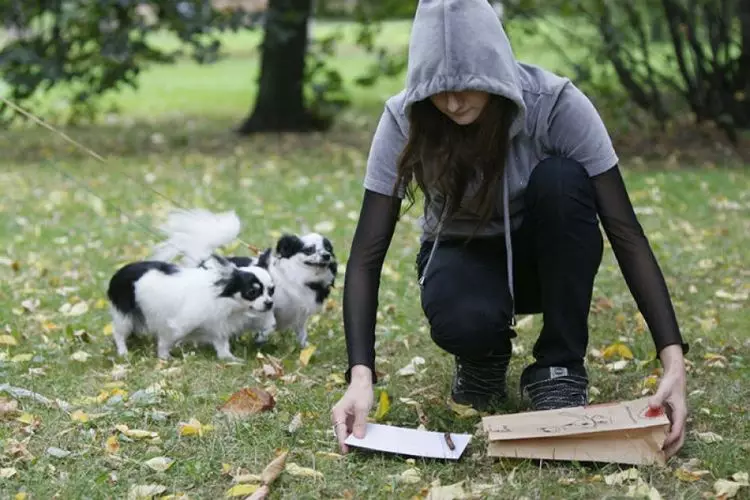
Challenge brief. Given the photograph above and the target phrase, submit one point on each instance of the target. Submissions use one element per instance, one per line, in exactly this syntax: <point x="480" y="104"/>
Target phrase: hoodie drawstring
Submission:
<point x="508" y="249"/>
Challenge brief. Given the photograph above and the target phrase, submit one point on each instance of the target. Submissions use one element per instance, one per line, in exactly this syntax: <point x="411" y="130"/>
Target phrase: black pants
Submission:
<point x="556" y="255"/>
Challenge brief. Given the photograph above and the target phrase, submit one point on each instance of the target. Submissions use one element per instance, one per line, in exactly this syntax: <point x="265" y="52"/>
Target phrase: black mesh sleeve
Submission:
<point x="372" y="237"/>
<point x="636" y="259"/>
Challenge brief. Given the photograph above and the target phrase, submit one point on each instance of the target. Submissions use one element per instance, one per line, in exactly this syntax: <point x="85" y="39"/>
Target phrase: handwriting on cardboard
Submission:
<point x="411" y="442"/>
<point x="574" y="421"/>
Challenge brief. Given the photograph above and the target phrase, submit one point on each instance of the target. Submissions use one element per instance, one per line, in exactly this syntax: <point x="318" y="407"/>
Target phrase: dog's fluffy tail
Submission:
<point x="196" y="234"/>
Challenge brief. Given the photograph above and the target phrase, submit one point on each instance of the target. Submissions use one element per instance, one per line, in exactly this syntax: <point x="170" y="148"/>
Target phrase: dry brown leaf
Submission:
<point x="8" y="408"/>
<point x="247" y="402"/>
<point x="274" y="468"/>
<point x="259" y="494"/>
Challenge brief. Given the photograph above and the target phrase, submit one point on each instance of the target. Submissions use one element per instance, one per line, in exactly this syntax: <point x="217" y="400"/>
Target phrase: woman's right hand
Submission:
<point x="349" y="415"/>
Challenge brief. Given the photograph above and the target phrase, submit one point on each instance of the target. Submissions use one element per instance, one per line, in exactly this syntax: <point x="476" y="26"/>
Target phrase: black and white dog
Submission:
<point x="304" y="270"/>
<point x="206" y="304"/>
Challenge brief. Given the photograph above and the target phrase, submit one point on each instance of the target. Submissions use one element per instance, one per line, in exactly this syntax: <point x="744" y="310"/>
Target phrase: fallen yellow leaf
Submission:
<point x="159" y="464"/>
<point x="21" y="358"/>
<point x="108" y="329"/>
<point x="26" y="418"/>
<point x="80" y="356"/>
<point x="8" y="472"/>
<point x="112" y="445"/>
<point x="725" y="488"/>
<point x="384" y="405"/>
<point x="193" y="428"/>
<point x="690" y="476"/>
<point x="617" y="349"/>
<point x="136" y="433"/>
<point x="651" y="382"/>
<point x="145" y="491"/>
<point x="8" y="340"/>
<point x="241" y="490"/>
<point x="463" y="411"/>
<point x="79" y="416"/>
<point x="307" y="352"/>
<point x="295" y="470"/>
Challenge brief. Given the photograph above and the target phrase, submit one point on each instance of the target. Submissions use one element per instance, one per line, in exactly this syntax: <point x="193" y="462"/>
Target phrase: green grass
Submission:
<point x="60" y="245"/>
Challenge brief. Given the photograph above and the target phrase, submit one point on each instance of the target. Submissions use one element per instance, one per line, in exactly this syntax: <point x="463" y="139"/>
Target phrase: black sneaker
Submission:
<point x="480" y="383"/>
<point x="553" y="387"/>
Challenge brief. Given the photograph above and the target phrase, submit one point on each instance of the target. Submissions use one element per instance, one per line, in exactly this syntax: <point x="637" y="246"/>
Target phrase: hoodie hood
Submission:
<point x="461" y="45"/>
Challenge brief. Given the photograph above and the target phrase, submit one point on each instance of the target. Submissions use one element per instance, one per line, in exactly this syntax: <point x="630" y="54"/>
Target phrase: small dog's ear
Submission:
<point x="230" y="283"/>
<point x="288" y="245"/>
<point x="328" y="246"/>
<point x="264" y="260"/>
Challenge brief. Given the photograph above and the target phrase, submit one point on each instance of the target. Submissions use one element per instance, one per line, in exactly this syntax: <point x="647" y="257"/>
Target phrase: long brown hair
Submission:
<point x="442" y="157"/>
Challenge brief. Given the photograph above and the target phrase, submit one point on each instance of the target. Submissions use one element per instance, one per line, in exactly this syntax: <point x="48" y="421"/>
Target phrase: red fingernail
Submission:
<point x="654" y="412"/>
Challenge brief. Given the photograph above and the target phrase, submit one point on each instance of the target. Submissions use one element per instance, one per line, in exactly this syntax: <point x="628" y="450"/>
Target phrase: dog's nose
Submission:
<point x="325" y="256"/>
<point x="268" y="304"/>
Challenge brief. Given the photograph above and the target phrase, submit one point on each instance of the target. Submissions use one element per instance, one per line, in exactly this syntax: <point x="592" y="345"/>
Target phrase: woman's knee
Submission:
<point x="465" y="330"/>
<point x="560" y="178"/>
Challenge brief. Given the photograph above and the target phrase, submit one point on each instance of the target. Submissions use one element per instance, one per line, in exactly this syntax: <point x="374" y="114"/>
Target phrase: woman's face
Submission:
<point x="462" y="107"/>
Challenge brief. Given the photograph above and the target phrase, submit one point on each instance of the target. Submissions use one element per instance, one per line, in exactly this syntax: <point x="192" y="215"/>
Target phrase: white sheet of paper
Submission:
<point x="410" y="442"/>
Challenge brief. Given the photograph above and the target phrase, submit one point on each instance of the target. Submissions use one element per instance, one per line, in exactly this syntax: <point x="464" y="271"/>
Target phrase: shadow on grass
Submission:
<point x="180" y="136"/>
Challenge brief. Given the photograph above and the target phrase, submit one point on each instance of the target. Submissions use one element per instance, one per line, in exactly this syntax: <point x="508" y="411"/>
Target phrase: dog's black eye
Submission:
<point x="308" y="250"/>
<point x="271" y="290"/>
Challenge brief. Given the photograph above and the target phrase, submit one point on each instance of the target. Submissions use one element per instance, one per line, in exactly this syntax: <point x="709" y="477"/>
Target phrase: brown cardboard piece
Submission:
<point x="622" y="432"/>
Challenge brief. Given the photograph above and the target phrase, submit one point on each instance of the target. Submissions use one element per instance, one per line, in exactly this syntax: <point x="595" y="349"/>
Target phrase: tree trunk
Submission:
<point x="280" y="103"/>
<point x="744" y="76"/>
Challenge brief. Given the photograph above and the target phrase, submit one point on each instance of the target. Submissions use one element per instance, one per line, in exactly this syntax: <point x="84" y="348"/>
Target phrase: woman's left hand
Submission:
<point x="671" y="396"/>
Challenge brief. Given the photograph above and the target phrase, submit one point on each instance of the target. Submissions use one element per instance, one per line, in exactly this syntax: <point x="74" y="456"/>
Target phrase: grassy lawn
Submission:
<point x="61" y="244"/>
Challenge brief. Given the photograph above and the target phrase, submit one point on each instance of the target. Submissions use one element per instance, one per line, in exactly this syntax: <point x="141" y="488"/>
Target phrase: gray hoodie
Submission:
<point x="461" y="45"/>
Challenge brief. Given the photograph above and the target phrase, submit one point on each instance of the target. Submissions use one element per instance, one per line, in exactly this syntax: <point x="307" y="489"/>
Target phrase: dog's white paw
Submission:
<point x="230" y="359"/>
